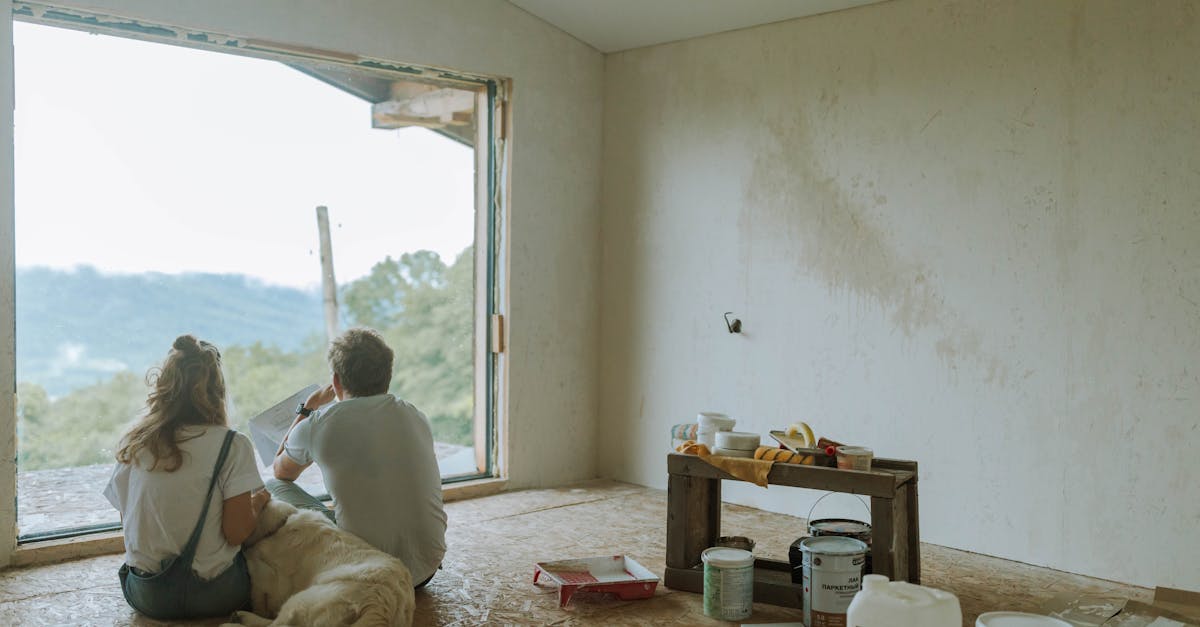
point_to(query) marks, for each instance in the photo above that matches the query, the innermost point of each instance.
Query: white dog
(306, 571)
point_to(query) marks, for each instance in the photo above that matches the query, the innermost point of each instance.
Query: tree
(258, 376)
(80, 428)
(425, 312)
(424, 309)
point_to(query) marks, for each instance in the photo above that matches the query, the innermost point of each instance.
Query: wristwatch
(303, 411)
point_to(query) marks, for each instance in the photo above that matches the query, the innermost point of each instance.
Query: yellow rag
(744, 468)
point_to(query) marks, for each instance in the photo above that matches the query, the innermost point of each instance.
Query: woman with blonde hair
(188, 491)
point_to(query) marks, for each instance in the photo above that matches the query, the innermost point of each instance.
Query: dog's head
(272, 517)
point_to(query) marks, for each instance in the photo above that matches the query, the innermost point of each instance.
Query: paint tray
(796, 445)
(618, 574)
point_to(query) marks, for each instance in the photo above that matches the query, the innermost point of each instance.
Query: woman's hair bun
(186, 344)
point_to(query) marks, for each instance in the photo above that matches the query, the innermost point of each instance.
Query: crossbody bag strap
(189, 550)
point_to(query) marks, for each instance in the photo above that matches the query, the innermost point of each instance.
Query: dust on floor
(494, 542)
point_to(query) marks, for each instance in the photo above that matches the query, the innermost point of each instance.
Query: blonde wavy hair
(188, 389)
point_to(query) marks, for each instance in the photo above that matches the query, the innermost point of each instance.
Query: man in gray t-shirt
(376, 453)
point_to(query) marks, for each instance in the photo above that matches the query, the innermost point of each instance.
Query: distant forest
(85, 340)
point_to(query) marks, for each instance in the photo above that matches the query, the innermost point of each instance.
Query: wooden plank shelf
(694, 520)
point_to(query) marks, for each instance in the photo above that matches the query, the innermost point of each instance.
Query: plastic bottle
(883, 603)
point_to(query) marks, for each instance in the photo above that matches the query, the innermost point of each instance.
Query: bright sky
(133, 156)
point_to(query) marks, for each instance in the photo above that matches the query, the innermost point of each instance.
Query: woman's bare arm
(240, 515)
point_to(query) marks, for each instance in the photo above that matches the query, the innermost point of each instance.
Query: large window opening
(163, 190)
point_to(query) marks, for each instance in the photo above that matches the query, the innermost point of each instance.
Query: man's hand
(321, 397)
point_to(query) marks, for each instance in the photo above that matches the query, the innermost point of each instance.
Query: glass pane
(163, 190)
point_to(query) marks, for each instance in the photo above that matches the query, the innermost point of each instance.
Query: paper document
(268, 428)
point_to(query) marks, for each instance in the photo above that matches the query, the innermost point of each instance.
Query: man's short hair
(362, 361)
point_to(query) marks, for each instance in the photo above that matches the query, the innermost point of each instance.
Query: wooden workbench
(694, 520)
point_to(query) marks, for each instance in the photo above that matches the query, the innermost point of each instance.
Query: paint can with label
(845, 527)
(832, 567)
(728, 583)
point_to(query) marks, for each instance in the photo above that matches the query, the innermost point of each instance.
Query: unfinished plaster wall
(555, 180)
(966, 233)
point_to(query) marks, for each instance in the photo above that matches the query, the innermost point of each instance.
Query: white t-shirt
(376, 453)
(159, 509)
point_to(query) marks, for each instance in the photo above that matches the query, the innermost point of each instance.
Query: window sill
(111, 542)
(473, 489)
(66, 549)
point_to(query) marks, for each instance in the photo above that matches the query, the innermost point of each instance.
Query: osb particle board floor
(494, 542)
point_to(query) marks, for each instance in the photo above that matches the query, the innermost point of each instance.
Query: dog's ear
(270, 520)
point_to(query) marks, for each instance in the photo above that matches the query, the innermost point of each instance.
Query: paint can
(845, 528)
(728, 583)
(854, 458)
(832, 576)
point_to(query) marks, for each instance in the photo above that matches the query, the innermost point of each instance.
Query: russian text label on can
(832, 576)
(728, 583)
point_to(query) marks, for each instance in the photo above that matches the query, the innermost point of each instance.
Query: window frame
(491, 154)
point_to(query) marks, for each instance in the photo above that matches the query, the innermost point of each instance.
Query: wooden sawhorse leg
(693, 521)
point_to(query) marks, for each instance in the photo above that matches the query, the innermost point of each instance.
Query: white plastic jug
(883, 603)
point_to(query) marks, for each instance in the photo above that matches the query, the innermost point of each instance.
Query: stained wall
(961, 232)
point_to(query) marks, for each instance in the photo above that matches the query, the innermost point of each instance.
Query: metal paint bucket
(843, 527)
(832, 576)
(728, 583)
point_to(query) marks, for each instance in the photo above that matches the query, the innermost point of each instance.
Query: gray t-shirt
(376, 453)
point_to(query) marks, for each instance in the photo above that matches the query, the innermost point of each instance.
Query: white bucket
(707, 426)
(883, 603)
(728, 583)
(1018, 619)
(713, 422)
(832, 568)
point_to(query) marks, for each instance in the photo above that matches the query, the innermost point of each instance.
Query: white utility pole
(328, 283)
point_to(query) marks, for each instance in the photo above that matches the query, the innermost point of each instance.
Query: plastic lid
(840, 525)
(710, 419)
(833, 545)
(1018, 619)
(874, 582)
(723, 557)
